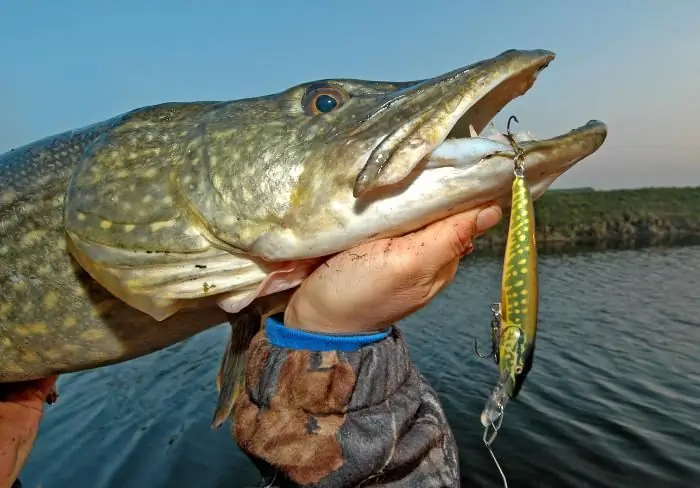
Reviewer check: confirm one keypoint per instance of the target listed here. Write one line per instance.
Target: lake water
(609, 402)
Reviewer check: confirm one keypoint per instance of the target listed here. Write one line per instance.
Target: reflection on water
(610, 401)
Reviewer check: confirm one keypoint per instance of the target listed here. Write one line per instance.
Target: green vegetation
(620, 218)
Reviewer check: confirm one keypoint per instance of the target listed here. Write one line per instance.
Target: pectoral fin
(231, 376)
(244, 325)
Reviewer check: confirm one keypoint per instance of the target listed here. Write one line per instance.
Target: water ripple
(610, 402)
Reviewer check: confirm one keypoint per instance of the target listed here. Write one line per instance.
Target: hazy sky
(633, 64)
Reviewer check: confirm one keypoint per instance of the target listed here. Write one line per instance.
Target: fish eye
(325, 103)
(322, 99)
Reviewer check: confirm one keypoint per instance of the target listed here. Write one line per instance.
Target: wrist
(302, 315)
(295, 317)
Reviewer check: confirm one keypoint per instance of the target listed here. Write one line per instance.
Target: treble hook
(484, 356)
(495, 333)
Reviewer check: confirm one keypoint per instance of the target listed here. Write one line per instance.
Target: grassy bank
(617, 218)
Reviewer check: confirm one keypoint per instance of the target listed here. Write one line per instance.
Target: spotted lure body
(515, 317)
(519, 291)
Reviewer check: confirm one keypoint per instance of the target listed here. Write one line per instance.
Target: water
(611, 400)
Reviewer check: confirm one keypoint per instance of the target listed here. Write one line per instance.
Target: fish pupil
(325, 103)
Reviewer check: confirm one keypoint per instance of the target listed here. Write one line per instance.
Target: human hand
(372, 286)
(21, 409)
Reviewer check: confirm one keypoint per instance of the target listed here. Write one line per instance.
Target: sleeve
(340, 411)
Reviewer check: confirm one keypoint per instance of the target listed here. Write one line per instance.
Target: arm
(332, 399)
(340, 411)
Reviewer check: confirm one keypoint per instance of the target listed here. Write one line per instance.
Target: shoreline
(609, 219)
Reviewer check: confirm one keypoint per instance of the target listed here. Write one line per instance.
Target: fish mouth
(448, 117)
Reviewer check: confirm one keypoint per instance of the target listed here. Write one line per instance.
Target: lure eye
(322, 99)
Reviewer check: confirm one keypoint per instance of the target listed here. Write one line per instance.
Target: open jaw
(441, 159)
(456, 128)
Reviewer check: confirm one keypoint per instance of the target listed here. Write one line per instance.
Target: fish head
(325, 165)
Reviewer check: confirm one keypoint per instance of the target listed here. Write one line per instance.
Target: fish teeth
(472, 131)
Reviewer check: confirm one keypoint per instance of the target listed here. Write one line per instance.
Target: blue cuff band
(281, 336)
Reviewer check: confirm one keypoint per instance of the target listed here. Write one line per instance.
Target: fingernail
(487, 218)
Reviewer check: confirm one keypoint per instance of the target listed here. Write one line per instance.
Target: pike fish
(132, 234)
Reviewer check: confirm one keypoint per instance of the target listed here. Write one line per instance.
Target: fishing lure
(514, 318)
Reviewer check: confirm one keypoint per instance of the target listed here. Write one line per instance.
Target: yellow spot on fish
(147, 199)
(19, 285)
(52, 354)
(522, 261)
(156, 226)
(523, 270)
(105, 224)
(21, 331)
(92, 334)
(70, 321)
(81, 216)
(38, 328)
(50, 300)
(129, 227)
(32, 236)
(4, 250)
(151, 173)
(29, 357)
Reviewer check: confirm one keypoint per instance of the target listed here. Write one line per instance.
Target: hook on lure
(495, 334)
(518, 160)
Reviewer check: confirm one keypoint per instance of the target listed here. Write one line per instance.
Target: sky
(632, 64)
